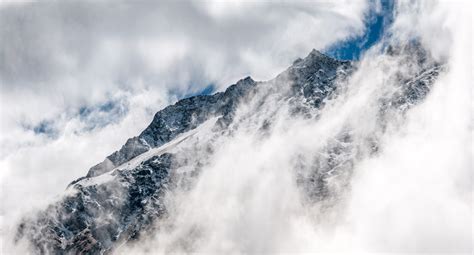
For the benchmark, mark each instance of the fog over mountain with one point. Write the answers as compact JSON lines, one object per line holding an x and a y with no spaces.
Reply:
{"x":160,"y":152}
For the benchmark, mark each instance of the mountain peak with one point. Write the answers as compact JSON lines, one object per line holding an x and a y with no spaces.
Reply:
{"x":317,"y":55}
{"x":247,"y":79}
{"x":315,"y":52}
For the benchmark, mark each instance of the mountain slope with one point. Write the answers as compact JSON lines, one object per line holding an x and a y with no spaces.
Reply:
{"x":124,"y":197}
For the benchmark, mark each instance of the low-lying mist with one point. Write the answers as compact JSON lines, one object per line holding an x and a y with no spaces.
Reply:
{"x":374,"y":170}
{"x":383,"y":164}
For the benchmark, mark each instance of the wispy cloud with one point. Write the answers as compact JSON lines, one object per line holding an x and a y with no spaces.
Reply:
{"x":408,"y":182}
{"x":79,"y":78}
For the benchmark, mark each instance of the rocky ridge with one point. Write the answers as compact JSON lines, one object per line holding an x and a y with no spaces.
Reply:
{"x":122,"y":197}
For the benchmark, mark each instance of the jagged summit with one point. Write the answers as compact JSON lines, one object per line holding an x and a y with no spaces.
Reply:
{"x":315,"y":56}
{"x":317,"y":60}
{"x":317,"y":53}
{"x":247,"y":79}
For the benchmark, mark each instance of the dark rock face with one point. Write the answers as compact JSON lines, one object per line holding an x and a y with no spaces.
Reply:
{"x":115,"y":204}
{"x":314,"y":76}
{"x":98,"y":215}
{"x":176,"y":119}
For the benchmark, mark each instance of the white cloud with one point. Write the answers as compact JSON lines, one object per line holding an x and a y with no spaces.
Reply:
{"x":58,"y":57}
{"x":413,"y":196}
{"x":424,"y":178}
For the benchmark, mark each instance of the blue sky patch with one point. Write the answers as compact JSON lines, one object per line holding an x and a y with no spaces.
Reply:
{"x":46,"y":128}
{"x":101,"y":115}
{"x":375,"y":27}
{"x":91,"y":117}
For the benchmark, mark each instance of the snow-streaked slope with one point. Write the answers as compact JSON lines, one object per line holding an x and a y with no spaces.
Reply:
{"x":168,"y":147}
{"x":284,"y":130}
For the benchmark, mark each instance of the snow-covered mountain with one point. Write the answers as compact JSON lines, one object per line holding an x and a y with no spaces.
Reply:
{"x":126,"y":196}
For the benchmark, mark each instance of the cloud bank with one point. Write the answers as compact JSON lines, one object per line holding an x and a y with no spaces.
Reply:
{"x":79,"y":78}
{"x":413,"y":195}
